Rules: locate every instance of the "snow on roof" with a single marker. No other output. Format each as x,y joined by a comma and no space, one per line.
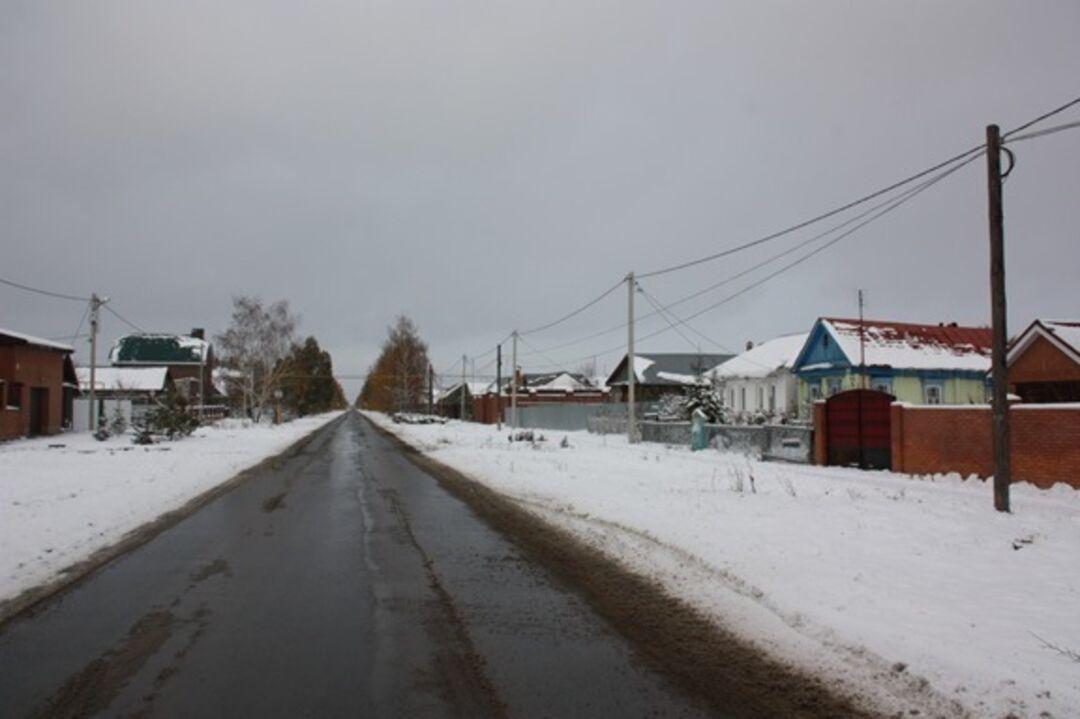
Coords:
666,368
641,364
764,359
1065,334
475,389
117,379
1066,330
21,338
562,381
904,345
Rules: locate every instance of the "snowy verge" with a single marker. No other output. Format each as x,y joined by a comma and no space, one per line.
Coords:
62,498
911,593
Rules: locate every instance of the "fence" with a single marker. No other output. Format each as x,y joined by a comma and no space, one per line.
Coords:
1044,441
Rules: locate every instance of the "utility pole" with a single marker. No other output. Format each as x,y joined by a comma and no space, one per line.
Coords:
464,365
430,389
998,368
498,386
95,307
513,384
862,345
631,418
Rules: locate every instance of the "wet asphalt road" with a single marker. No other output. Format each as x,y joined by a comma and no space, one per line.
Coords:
344,582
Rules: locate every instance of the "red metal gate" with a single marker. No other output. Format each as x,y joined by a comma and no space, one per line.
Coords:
859,429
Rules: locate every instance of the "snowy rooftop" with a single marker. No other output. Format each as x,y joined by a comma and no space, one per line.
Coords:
12,337
1065,334
118,379
904,345
1067,331
667,368
764,359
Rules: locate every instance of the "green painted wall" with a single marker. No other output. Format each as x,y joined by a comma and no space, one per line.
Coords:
908,389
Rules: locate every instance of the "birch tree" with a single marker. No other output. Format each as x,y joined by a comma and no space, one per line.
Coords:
256,344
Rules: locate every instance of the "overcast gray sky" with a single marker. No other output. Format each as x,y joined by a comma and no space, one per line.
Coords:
482,166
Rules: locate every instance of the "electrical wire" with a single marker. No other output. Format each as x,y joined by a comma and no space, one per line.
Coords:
569,315
649,299
1044,116
125,320
1047,131
47,293
894,204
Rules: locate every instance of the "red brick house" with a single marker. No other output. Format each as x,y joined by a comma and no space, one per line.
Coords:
37,383
1044,362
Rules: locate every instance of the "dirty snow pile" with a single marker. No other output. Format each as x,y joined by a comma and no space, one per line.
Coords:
910,593
64,497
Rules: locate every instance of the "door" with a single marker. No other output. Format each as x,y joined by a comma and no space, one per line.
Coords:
859,429
39,411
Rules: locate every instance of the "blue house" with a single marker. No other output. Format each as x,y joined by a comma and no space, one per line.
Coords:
919,364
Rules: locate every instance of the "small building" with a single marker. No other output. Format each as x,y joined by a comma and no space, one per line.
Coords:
448,402
659,373
189,359
916,363
37,385
129,391
1044,362
760,380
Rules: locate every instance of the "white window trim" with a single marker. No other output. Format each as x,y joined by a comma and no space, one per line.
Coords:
933,384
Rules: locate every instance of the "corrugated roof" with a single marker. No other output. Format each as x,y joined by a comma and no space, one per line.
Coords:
118,379
159,349
13,337
677,369
906,345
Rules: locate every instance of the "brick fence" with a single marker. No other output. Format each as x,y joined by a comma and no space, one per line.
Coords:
1044,441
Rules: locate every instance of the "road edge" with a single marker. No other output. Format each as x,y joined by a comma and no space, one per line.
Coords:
706,661
25,603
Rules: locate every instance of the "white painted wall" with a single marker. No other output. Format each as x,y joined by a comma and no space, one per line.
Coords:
754,394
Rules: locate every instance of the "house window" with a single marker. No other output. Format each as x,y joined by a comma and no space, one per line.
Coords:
761,397
742,398
772,398
731,398
881,384
933,392
14,395
834,385
815,392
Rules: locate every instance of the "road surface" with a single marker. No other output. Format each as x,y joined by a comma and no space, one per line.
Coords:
343,582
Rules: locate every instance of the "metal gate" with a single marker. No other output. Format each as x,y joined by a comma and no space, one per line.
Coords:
859,429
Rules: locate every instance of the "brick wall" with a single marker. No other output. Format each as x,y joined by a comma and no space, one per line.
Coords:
1044,441
33,368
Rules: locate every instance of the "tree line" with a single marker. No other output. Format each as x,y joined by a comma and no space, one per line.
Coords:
398,380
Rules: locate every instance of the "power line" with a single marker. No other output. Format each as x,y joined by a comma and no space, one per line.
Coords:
47,293
576,312
649,299
895,203
1047,131
1040,118
125,320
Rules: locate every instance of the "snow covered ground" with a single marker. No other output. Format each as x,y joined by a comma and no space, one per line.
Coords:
58,505
909,592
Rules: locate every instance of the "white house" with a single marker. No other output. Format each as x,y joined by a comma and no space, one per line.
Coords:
760,379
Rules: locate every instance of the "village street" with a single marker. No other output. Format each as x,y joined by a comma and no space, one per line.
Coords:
343,582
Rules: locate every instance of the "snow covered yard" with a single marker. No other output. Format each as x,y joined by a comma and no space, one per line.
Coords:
909,592
59,504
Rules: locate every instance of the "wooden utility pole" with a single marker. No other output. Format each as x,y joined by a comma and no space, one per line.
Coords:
631,417
430,389
498,386
998,368
513,384
95,307
464,365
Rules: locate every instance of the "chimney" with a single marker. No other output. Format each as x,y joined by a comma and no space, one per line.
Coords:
198,333
749,345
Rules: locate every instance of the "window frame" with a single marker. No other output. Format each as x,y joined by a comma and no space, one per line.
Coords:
929,385
14,389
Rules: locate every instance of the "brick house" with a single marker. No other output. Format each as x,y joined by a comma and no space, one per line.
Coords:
1044,362
189,359
37,384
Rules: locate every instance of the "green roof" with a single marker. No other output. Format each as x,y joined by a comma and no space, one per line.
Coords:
159,350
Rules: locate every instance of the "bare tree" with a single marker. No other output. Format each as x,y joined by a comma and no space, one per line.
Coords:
256,343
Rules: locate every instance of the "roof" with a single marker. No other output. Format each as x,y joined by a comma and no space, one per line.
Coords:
159,349
10,337
906,345
118,379
474,389
764,359
1063,334
667,368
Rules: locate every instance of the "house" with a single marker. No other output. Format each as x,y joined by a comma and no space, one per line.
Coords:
1044,362
448,402
533,389
131,391
760,380
658,374
189,359
37,385
916,363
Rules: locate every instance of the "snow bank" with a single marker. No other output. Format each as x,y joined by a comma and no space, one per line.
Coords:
58,505
910,591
